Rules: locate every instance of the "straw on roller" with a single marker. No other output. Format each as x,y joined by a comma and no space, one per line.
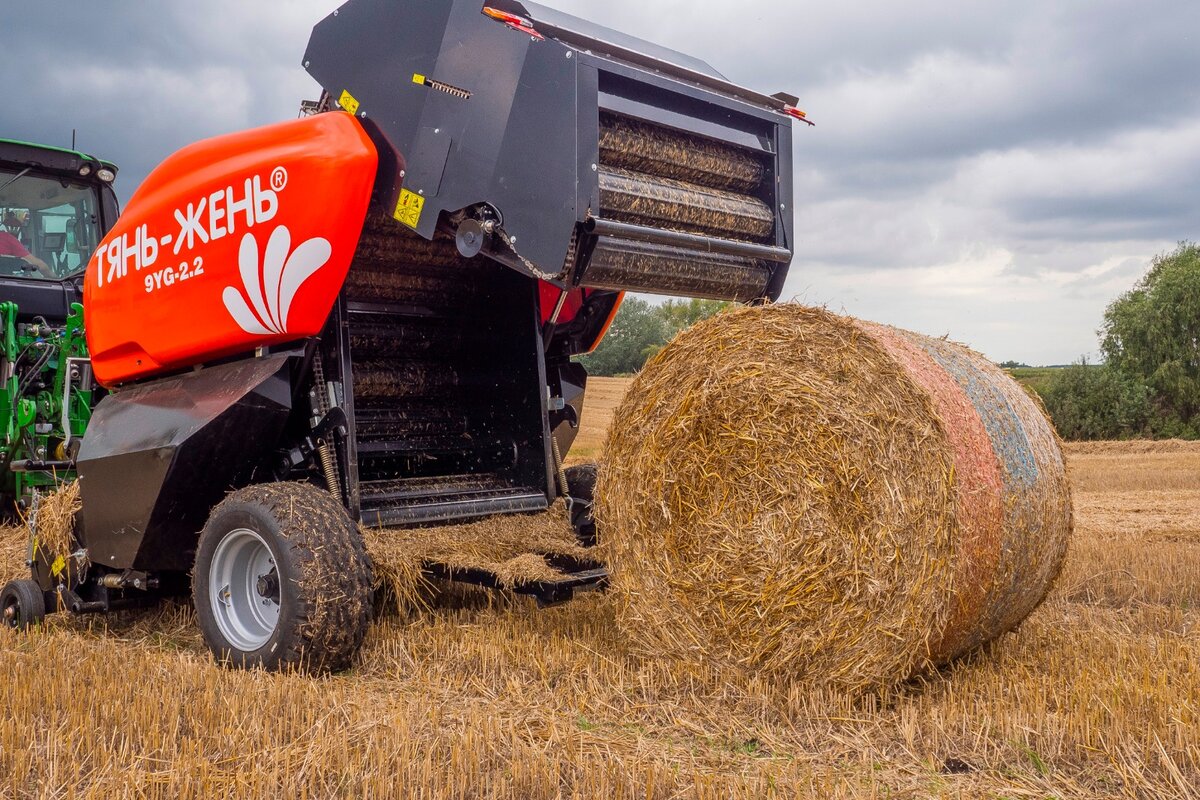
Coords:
620,266
665,202
840,502
641,147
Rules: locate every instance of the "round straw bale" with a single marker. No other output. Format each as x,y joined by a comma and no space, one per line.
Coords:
14,553
841,503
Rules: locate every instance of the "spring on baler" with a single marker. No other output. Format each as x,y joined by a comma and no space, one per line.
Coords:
329,467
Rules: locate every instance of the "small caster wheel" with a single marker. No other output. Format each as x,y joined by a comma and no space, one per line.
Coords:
22,604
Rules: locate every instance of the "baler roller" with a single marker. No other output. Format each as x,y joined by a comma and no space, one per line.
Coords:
644,266
657,202
416,419
378,340
400,379
627,144
376,249
409,289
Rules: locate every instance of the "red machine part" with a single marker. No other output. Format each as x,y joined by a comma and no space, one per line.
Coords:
549,295
231,244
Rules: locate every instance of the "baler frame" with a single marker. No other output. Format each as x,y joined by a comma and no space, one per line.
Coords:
425,372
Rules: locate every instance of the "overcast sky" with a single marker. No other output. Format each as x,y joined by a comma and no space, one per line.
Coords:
995,170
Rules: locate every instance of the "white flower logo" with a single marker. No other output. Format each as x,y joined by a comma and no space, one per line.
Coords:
271,287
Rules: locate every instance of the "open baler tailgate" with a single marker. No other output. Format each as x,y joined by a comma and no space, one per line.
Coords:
566,150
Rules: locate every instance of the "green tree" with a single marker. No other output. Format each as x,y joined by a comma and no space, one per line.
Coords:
1152,333
636,330
1098,402
679,315
641,329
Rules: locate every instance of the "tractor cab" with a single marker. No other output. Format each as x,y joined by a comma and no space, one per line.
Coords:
55,207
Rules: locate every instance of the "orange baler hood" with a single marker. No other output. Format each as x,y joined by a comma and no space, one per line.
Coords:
233,243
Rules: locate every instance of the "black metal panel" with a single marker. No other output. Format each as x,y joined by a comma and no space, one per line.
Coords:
157,457
48,159
588,35
783,203
36,297
503,148
347,447
653,97
500,119
568,381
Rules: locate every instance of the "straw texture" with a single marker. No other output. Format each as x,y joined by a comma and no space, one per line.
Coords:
777,496
55,521
668,203
515,548
836,502
640,147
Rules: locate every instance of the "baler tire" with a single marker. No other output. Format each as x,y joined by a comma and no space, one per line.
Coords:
323,578
581,487
22,604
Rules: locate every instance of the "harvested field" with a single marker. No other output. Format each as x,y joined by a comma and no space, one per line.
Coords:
1096,695
603,397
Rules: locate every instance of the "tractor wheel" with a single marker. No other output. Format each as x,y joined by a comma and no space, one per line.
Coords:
581,485
282,580
22,604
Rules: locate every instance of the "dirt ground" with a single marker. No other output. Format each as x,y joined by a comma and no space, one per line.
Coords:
1096,695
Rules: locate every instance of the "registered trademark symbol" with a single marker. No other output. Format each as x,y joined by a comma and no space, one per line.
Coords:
279,179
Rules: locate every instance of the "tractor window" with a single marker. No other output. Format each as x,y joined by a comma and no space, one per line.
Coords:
55,224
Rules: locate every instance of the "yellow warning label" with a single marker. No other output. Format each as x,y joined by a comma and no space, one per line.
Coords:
348,103
409,209
58,566
419,79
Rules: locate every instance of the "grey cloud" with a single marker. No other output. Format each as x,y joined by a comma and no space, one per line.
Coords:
998,170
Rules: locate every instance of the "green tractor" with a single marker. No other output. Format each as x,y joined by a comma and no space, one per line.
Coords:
55,207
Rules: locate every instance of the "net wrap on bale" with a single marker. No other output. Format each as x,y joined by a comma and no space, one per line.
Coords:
841,503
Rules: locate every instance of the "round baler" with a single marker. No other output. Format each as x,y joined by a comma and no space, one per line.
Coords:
367,317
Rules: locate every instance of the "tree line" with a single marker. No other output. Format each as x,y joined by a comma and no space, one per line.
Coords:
641,329
1148,385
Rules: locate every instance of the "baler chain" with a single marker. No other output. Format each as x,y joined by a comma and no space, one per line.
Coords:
534,270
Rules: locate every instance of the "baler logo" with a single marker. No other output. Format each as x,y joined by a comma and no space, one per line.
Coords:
270,284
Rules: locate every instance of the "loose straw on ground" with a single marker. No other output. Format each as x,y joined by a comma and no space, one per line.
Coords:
515,548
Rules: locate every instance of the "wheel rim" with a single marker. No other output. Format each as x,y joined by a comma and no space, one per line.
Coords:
243,590
10,613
